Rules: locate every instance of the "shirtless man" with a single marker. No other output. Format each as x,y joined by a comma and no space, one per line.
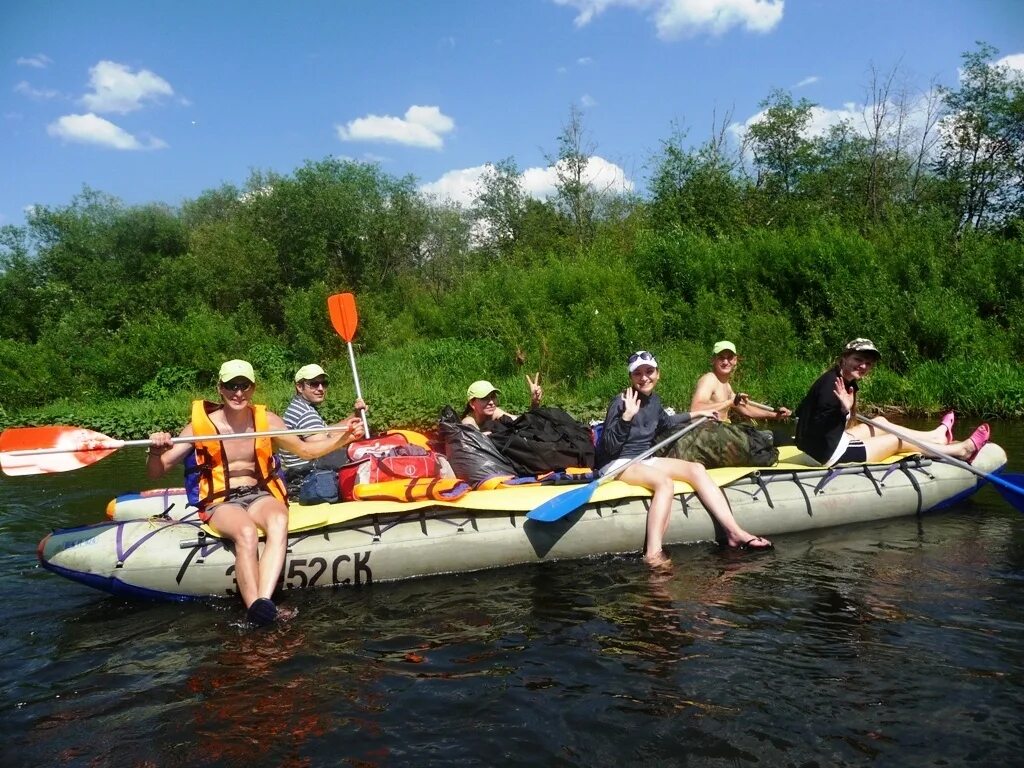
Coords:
236,485
714,390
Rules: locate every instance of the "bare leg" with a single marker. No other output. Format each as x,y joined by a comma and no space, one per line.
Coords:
661,507
234,523
713,499
271,515
862,430
881,445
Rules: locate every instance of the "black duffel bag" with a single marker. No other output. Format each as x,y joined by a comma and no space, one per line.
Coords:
544,440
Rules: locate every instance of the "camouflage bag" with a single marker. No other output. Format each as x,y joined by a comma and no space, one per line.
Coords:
715,444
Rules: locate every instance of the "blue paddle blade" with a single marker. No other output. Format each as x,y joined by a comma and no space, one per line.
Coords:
1011,488
563,504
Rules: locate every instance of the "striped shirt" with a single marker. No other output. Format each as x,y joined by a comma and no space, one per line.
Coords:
299,414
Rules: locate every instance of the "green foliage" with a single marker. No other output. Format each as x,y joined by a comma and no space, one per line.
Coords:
847,234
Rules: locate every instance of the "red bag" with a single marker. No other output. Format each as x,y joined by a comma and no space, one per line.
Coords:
376,469
376,446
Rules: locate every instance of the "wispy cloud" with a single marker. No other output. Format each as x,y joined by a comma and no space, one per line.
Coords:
40,94
587,101
676,19
811,80
115,88
39,61
92,129
420,127
584,61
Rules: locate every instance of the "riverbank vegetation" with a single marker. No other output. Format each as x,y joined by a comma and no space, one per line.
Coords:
907,227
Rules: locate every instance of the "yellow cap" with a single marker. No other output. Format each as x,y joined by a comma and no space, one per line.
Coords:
481,389
722,346
307,372
234,369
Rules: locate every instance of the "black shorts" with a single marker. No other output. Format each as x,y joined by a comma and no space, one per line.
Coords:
856,451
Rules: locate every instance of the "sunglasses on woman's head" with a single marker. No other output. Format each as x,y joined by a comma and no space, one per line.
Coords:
237,385
640,356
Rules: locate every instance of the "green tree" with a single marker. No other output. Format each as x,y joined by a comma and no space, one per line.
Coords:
982,152
698,190
500,208
782,153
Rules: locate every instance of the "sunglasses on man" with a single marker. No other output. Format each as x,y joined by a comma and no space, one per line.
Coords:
317,383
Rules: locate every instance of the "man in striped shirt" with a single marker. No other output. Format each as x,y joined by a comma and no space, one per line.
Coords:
311,382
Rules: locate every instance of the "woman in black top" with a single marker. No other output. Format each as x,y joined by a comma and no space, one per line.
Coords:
633,418
826,431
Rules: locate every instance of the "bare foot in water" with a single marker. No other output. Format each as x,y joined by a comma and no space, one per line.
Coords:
658,560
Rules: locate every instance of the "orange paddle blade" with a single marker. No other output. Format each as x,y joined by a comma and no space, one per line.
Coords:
61,449
344,318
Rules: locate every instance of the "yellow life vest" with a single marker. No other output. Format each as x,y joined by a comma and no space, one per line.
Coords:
212,483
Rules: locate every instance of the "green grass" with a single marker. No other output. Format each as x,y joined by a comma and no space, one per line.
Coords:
407,387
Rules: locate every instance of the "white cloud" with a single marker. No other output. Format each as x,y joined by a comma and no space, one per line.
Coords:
675,19
459,186
587,101
39,61
583,61
463,185
40,94
1014,61
811,80
420,127
859,117
115,88
91,129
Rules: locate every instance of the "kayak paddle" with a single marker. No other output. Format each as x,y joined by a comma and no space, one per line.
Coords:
1013,494
42,450
565,503
345,319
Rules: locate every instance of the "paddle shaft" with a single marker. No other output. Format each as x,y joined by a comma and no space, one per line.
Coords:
359,390
113,445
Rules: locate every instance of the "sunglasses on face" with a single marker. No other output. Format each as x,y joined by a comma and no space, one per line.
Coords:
238,385
317,383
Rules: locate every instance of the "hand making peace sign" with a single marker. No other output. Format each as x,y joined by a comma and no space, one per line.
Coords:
536,393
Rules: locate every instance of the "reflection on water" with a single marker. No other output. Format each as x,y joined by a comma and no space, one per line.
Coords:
895,644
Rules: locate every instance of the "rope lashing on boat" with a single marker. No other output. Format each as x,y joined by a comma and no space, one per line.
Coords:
123,554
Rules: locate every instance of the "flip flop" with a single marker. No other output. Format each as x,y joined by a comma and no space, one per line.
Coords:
979,437
262,612
749,544
947,422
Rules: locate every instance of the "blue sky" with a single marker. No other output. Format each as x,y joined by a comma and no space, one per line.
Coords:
159,101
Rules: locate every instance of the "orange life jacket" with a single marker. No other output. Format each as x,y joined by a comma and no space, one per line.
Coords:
211,482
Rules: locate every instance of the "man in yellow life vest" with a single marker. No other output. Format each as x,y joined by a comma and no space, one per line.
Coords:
235,483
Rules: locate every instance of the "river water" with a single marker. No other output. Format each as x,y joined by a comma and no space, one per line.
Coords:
899,644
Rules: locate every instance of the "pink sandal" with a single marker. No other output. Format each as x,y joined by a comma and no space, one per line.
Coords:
947,422
979,437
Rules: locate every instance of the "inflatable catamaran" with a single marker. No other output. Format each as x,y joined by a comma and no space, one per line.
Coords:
146,553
